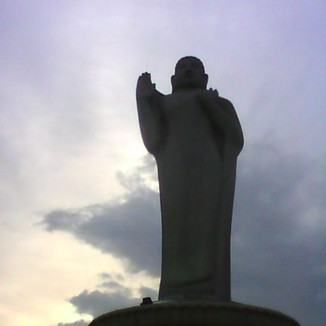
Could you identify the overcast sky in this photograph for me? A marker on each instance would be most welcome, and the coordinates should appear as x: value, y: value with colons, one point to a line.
x: 80, y: 221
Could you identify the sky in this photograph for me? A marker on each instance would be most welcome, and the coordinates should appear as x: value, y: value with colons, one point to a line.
x: 80, y: 221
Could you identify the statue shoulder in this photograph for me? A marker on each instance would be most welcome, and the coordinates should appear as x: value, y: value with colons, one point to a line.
x: 168, y: 98
x: 225, y: 102
x: 158, y: 98
x: 159, y: 94
x: 227, y: 106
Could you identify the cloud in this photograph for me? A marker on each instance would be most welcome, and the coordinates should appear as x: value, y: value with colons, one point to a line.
x: 114, y: 283
x: 277, y: 240
x: 68, y: 77
x: 96, y: 303
x: 148, y: 292
x: 114, y: 296
x: 76, y: 323
x: 278, y: 234
x: 128, y: 228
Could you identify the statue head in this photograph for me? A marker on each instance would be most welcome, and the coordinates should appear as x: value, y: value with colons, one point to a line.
x: 189, y: 73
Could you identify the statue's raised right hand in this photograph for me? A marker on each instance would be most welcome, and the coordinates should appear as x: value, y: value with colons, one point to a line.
x: 145, y: 87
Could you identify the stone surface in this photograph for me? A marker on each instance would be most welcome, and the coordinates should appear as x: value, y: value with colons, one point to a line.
x: 195, y: 314
x: 195, y: 137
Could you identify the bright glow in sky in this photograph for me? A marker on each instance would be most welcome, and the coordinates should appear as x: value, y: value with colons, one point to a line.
x: 80, y: 223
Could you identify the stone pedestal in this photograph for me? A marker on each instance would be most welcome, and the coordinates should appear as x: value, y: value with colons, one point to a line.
x: 194, y: 314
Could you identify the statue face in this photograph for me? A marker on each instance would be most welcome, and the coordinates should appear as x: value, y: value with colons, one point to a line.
x: 189, y: 73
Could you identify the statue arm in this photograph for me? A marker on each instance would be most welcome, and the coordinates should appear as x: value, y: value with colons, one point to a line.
x: 234, y: 123
x: 222, y: 113
x: 149, y: 112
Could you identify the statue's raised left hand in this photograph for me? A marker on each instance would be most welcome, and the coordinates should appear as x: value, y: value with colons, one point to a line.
x: 209, y: 96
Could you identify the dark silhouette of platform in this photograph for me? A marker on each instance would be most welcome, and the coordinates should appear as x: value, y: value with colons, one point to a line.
x: 194, y: 314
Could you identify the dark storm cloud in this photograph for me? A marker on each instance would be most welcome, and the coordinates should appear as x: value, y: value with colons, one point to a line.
x: 277, y: 240
x: 96, y: 302
x: 128, y: 229
x: 279, y: 235
x: 114, y: 296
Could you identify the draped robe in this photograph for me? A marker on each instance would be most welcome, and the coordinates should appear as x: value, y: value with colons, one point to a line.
x: 196, y: 160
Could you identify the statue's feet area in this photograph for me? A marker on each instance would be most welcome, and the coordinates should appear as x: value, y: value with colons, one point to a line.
x: 194, y: 314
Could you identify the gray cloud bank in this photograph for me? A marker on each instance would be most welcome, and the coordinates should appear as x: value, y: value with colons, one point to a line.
x: 278, y: 235
x: 128, y: 229
x: 114, y: 296
x: 76, y: 323
x: 96, y: 302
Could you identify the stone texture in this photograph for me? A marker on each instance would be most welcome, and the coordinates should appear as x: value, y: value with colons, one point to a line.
x: 195, y: 314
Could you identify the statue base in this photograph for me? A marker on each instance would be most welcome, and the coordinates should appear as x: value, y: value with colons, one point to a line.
x: 195, y: 313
